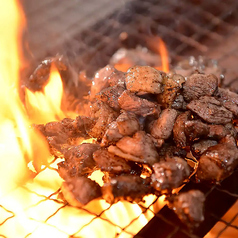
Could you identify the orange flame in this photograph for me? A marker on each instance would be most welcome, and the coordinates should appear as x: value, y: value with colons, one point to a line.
x: 164, y: 56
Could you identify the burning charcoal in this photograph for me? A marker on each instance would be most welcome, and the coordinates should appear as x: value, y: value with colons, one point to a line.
x: 172, y: 85
x: 78, y: 160
x: 217, y: 162
x: 179, y: 103
x: 117, y: 78
x: 210, y: 110
x: 189, y: 207
x: 198, y: 85
x: 198, y: 148
x: 195, y: 129
x: 142, y: 107
x: 141, y: 146
x: 103, y: 116
x: 126, y: 187
x: 145, y: 79
x: 228, y: 99
x: 162, y: 127
x: 110, y: 96
x: 217, y: 132
x: 111, y: 135
x: 100, y: 80
x: 128, y: 124
x: 79, y: 191
x: 109, y: 162
x: 179, y: 129
x: 169, y: 174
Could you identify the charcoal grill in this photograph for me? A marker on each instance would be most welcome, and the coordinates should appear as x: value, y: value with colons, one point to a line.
x: 88, y: 32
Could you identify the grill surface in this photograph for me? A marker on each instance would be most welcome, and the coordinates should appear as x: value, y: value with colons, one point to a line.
x: 88, y: 32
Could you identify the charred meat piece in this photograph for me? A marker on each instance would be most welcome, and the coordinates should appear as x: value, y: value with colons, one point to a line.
x: 198, y: 148
x: 169, y: 174
x: 162, y: 127
x: 103, y: 117
x: 78, y: 160
x: 195, y: 130
x: 228, y: 99
x: 198, y: 85
x: 127, y: 123
x: 172, y: 85
x: 79, y: 191
x: 217, y: 162
x: 170, y: 151
x: 210, y: 110
x: 179, y: 103
x: 217, y: 132
x: 142, y: 107
x: 141, y: 146
x: 189, y: 207
x: 145, y: 79
x: 109, y: 162
x: 110, y: 96
x: 117, y: 78
x: 179, y: 129
x: 100, y: 80
x: 111, y: 135
x: 126, y: 187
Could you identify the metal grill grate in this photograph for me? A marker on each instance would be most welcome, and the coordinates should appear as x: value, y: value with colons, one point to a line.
x: 188, y: 28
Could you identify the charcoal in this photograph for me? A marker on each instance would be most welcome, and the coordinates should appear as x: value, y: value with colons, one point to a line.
x: 179, y: 129
x: 210, y: 110
x: 228, y: 99
x: 117, y: 78
x: 198, y: 85
x: 162, y: 127
x: 126, y: 187
x: 112, y: 135
x: 189, y: 207
x: 109, y: 162
x: 169, y: 174
x: 195, y: 130
x: 110, y: 96
x: 201, y: 146
x: 145, y: 79
x: 79, y: 191
x: 141, y: 146
x: 142, y: 107
x: 217, y: 162
x: 127, y: 123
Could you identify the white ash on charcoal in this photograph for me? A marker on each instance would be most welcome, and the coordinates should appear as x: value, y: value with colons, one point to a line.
x: 189, y: 207
x: 145, y: 123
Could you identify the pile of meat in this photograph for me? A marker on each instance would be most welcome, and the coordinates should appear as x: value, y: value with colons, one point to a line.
x: 145, y: 123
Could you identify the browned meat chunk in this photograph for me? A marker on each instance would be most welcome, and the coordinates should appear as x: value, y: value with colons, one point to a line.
x: 104, y: 116
x: 78, y: 160
x: 172, y: 85
x: 217, y: 132
x: 189, y: 207
x: 162, y: 127
x: 178, y: 130
x: 179, y: 103
x: 100, y: 80
x: 110, y: 96
x: 128, y: 124
x: 198, y: 85
x: 130, y: 102
x: 201, y: 146
x: 126, y: 187
x: 111, y: 135
x: 170, y: 151
x: 109, y: 162
x: 195, y: 130
x: 169, y: 174
x: 228, y: 99
x: 117, y: 78
x: 145, y: 79
x: 140, y: 146
x: 210, y: 110
x: 79, y: 191
x: 217, y: 162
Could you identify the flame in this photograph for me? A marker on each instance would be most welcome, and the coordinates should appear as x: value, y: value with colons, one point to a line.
x: 45, y: 106
x: 164, y: 56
